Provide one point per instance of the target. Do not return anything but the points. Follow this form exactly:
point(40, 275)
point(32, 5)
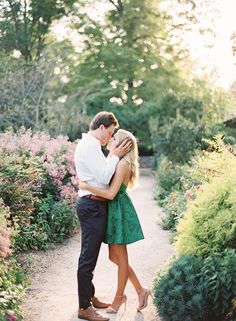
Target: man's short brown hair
point(103, 118)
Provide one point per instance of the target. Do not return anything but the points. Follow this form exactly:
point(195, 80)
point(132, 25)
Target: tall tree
point(131, 57)
point(24, 24)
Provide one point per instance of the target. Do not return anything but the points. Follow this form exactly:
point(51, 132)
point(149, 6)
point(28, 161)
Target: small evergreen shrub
point(198, 289)
point(179, 294)
point(218, 159)
point(219, 274)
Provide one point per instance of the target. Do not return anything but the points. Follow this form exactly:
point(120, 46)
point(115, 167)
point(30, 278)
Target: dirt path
point(53, 291)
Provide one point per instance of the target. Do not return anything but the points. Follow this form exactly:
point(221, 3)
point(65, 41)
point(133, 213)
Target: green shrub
point(213, 162)
point(31, 236)
point(12, 287)
point(171, 105)
point(168, 178)
point(174, 207)
point(219, 274)
point(175, 186)
point(197, 289)
point(177, 139)
point(52, 222)
point(209, 224)
point(179, 294)
point(60, 217)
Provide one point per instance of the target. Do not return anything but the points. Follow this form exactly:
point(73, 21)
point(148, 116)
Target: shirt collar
point(91, 138)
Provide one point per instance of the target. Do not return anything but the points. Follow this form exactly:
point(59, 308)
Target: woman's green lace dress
point(123, 225)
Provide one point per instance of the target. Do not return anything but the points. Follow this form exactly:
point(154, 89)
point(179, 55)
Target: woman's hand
point(82, 185)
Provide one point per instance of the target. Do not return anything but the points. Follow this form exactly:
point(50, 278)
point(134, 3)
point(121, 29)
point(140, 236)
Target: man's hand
point(123, 148)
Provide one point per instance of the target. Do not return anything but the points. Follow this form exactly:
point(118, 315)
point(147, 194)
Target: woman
point(123, 226)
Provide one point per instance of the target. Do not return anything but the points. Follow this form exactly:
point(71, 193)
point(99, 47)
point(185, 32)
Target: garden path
point(52, 294)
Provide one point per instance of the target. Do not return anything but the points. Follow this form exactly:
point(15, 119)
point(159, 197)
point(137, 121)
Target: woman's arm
point(113, 189)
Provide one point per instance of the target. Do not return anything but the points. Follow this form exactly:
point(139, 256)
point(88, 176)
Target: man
point(97, 170)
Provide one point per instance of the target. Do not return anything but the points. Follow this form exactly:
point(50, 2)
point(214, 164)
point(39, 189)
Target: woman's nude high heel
point(122, 299)
point(144, 302)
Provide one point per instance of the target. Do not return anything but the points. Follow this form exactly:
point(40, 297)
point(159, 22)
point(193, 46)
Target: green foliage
point(52, 222)
point(179, 294)
point(128, 59)
point(31, 93)
point(177, 139)
point(5, 230)
point(21, 181)
point(24, 25)
point(173, 105)
point(168, 178)
point(59, 216)
point(219, 273)
point(175, 185)
point(208, 225)
point(216, 102)
point(218, 159)
point(198, 289)
point(174, 207)
point(13, 281)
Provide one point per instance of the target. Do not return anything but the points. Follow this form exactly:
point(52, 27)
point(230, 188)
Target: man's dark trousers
point(92, 215)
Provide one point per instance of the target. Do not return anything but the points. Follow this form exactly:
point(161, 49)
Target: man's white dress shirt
point(91, 165)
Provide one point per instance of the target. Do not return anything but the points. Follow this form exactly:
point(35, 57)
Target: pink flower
point(56, 154)
point(11, 316)
point(188, 194)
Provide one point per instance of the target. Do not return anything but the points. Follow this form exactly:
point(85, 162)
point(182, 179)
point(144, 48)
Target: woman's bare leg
point(131, 274)
point(119, 253)
point(141, 291)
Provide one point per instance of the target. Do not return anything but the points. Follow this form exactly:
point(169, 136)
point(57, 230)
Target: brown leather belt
point(97, 198)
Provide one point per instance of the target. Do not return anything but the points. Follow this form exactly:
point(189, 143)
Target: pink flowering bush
point(21, 182)
point(38, 184)
point(56, 155)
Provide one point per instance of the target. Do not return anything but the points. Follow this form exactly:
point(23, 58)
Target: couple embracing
point(105, 212)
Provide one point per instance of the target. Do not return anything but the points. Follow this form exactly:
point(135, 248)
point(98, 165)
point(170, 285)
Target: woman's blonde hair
point(131, 157)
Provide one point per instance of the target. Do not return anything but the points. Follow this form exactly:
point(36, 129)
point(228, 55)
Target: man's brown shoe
point(91, 314)
point(98, 304)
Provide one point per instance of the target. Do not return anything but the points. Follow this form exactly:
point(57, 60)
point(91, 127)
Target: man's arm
point(114, 187)
point(104, 168)
point(97, 165)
